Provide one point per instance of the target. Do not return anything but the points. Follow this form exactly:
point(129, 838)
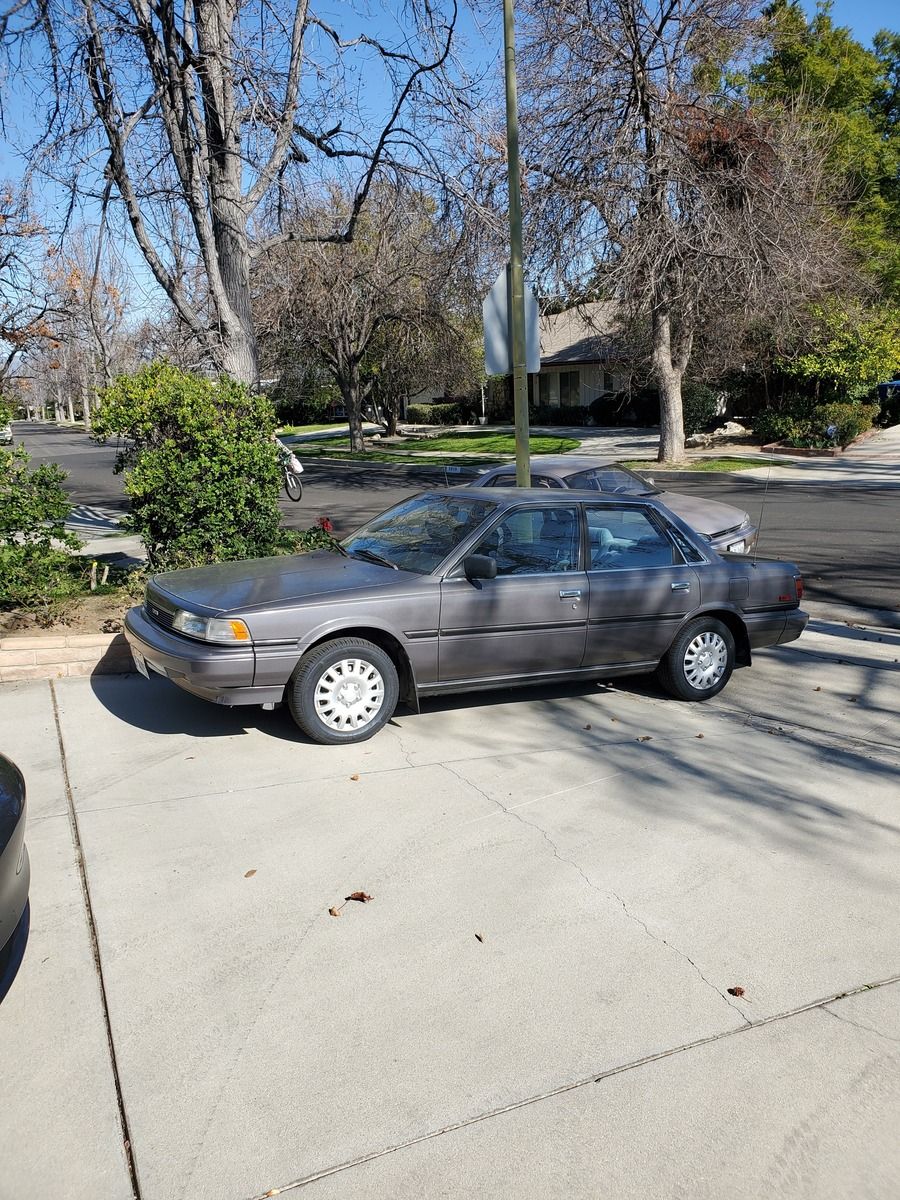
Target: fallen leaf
point(480, 937)
point(735, 991)
point(645, 738)
point(818, 689)
point(274, 1192)
point(615, 720)
point(334, 912)
point(587, 727)
point(699, 735)
point(362, 897)
point(853, 699)
point(250, 874)
point(354, 778)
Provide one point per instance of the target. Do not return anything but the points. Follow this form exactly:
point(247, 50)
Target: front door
point(530, 620)
point(640, 587)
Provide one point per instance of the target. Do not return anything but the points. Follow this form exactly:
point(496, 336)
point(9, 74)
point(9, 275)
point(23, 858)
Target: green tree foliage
point(35, 547)
point(850, 349)
point(201, 466)
point(820, 70)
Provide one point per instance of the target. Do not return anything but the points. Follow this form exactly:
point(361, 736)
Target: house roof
point(584, 334)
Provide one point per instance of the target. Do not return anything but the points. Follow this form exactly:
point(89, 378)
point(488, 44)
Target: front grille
point(725, 532)
point(159, 611)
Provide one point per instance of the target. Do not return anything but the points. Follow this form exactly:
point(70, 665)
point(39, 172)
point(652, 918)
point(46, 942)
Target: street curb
point(54, 656)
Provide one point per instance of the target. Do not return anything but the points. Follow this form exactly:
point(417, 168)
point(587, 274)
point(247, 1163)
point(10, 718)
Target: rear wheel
point(292, 485)
point(699, 662)
point(343, 691)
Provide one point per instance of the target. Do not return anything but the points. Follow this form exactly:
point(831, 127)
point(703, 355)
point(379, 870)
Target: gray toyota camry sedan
point(461, 589)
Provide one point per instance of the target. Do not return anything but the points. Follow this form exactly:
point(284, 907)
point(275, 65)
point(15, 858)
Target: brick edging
point(54, 655)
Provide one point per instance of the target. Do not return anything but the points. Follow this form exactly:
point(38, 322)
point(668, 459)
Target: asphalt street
point(839, 536)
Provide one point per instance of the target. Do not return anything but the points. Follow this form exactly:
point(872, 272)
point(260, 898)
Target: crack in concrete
point(659, 938)
point(606, 895)
point(860, 1025)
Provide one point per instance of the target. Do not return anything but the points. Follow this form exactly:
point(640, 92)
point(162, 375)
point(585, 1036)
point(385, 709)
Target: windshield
point(611, 479)
point(419, 534)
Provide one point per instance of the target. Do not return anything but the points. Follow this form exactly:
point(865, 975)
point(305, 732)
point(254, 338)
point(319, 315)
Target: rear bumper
point(794, 625)
point(221, 674)
point(774, 627)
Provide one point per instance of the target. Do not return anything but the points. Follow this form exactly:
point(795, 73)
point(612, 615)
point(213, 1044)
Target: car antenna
point(762, 507)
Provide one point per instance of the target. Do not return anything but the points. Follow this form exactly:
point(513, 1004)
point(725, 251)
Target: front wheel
point(292, 485)
point(699, 662)
point(343, 691)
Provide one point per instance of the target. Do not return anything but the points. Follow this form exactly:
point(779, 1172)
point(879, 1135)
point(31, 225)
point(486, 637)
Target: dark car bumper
point(15, 875)
point(773, 627)
point(222, 674)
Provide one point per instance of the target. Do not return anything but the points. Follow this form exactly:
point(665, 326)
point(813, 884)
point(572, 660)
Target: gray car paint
point(450, 633)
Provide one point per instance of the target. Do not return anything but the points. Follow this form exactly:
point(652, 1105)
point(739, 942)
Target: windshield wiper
point(373, 557)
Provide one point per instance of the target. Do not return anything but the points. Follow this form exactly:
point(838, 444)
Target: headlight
point(210, 629)
point(738, 547)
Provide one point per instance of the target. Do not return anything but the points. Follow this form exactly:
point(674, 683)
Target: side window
point(534, 541)
point(622, 538)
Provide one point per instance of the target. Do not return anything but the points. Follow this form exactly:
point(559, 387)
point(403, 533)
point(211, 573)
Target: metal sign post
point(516, 280)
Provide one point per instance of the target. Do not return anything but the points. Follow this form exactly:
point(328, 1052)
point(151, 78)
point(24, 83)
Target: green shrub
point(546, 414)
point(439, 414)
point(201, 466)
point(800, 422)
point(699, 405)
point(36, 564)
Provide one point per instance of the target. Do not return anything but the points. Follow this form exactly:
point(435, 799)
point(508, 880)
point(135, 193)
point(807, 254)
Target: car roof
point(508, 497)
point(559, 465)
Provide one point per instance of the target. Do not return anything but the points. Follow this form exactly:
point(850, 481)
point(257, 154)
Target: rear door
point(641, 588)
point(530, 620)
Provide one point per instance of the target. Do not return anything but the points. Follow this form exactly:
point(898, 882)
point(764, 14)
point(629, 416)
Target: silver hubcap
point(349, 694)
point(705, 660)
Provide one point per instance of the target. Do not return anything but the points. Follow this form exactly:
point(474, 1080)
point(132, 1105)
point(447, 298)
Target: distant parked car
point(15, 873)
point(723, 525)
point(5, 435)
point(461, 589)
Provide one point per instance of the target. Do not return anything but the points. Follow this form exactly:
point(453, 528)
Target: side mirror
point(480, 566)
point(650, 480)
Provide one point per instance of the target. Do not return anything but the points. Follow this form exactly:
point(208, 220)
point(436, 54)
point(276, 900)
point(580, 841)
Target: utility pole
point(516, 280)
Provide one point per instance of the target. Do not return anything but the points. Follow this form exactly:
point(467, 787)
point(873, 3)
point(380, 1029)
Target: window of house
point(559, 389)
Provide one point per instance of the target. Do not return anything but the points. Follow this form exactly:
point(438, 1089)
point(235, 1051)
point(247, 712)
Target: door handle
point(681, 587)
point(570, 593)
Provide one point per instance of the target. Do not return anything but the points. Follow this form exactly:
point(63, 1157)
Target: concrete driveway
point(535, 1003)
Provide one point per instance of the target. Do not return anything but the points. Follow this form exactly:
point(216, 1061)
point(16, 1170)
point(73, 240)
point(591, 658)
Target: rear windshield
point(418, 534)
point(611, 479)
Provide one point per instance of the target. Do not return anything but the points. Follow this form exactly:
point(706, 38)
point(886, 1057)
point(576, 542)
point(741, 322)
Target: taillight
point(798, 584)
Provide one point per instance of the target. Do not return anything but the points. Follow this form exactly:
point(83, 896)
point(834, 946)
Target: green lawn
point(289, 430)
point(451, 443)
point(705, 464)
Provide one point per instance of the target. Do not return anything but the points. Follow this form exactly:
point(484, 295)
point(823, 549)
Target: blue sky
point(865, 17)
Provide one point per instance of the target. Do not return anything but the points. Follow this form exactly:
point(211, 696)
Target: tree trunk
point(667, 375)
point(239, 357)
point(350, 393)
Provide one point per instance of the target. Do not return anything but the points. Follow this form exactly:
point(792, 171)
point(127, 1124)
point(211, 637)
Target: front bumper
point(746, 536)
point(222, 674)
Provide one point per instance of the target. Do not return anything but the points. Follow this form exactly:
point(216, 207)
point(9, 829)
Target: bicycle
point(292, 484)
point(291, 470)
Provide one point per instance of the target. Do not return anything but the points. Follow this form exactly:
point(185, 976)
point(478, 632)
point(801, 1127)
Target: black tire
point(313, 691)
point(699, 662)
point(292, 485)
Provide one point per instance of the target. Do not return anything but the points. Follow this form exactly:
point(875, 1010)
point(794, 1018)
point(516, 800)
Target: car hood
point(708, 517)
point(266, 582)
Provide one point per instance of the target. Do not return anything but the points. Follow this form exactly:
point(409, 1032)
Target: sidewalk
point(569, 887)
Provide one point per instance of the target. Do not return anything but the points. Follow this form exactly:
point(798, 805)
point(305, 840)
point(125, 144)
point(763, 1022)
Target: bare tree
point(651, 184)
point(198, 117)
point(348, 303)
point(24, 295)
